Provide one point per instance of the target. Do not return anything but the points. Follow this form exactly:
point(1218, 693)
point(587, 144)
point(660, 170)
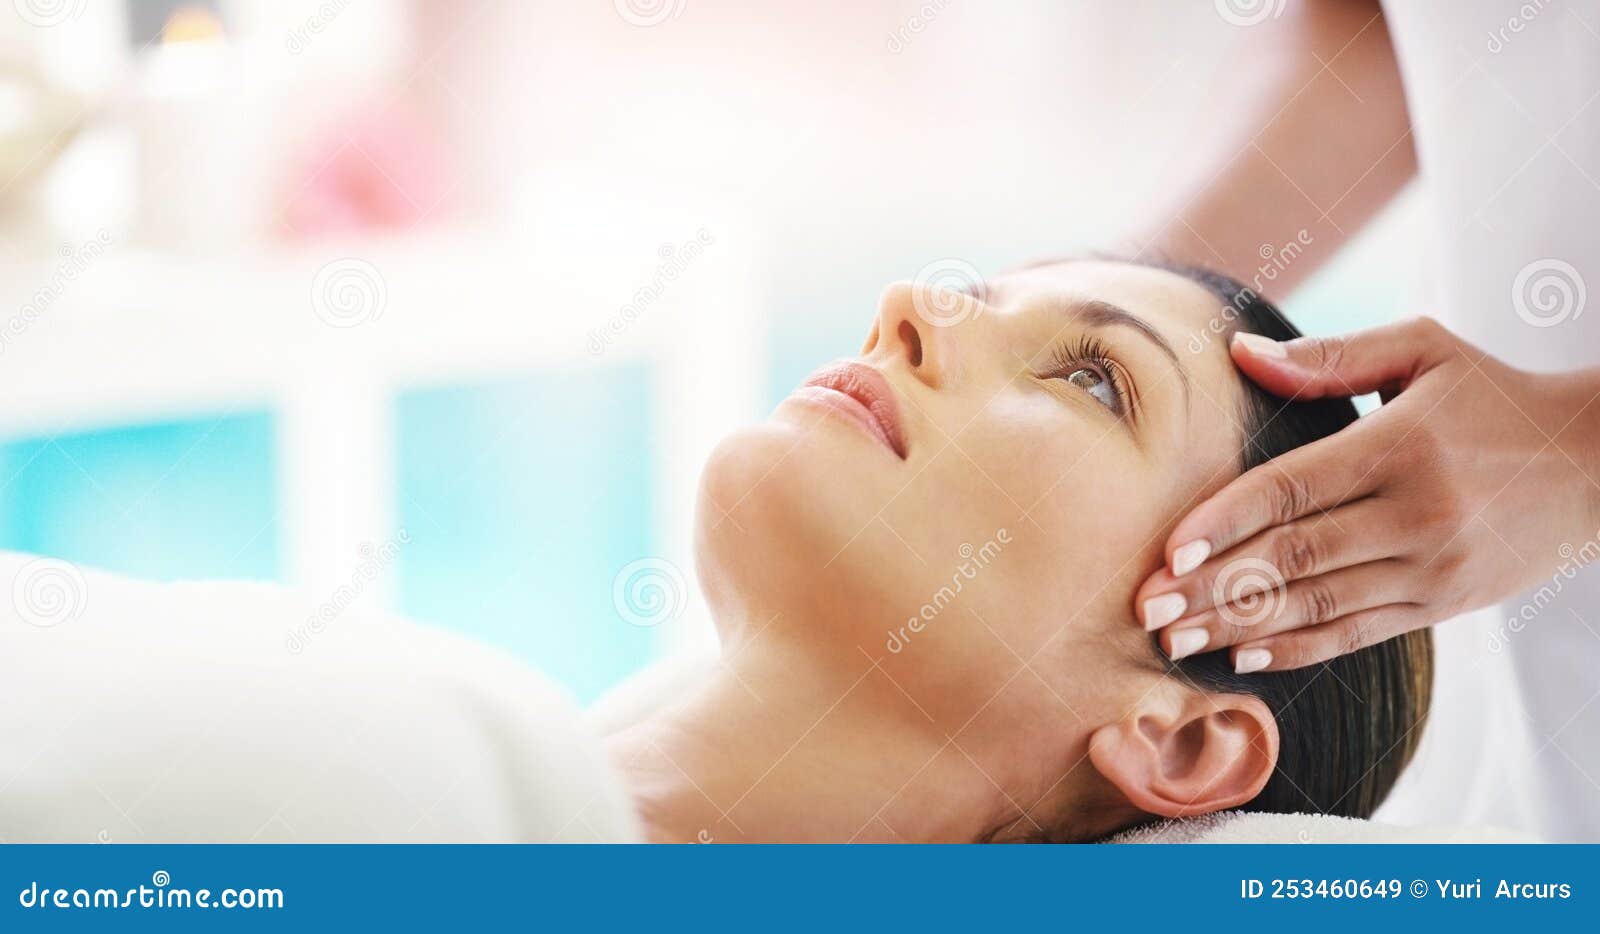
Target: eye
point(1088, 366)
point(1096, 384)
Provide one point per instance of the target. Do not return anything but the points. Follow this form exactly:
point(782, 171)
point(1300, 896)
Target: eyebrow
point(1096, 313)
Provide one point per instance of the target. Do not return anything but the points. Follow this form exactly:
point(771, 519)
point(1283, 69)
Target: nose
point(917, 324)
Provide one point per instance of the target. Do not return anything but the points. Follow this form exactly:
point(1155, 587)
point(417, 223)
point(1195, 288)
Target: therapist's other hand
point(1457, 492)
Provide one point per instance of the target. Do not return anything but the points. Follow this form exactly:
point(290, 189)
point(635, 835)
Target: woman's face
point(978, 517)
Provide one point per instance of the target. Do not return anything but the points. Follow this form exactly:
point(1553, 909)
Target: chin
point(778, 504)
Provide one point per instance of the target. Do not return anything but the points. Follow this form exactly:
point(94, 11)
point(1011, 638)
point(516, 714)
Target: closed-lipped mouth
point(862, 393)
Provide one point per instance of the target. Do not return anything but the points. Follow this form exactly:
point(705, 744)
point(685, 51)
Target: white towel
point(1237, 827)
point(228, 712)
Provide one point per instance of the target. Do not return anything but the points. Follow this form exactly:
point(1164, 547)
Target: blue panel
point(176, 500)
point(523, 499)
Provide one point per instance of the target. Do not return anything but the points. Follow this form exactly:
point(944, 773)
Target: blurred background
point(438, 306)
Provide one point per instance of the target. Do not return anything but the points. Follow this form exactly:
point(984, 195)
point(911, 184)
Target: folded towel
point(1238, 827)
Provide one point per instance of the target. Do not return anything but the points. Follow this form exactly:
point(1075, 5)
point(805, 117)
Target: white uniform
point(1505, 108)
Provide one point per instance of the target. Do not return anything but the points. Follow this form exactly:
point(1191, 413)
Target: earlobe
point(1216, 751)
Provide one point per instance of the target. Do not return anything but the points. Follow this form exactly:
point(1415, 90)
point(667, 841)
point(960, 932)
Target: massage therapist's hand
point(1457, 492)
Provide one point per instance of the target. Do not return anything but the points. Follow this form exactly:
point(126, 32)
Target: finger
point(1313, 478)
point(1324, 643)
point(1353, 534)
point(1374, 360)
point(1301, 604)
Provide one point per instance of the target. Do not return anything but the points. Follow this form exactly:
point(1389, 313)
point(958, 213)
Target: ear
point(1213, 752)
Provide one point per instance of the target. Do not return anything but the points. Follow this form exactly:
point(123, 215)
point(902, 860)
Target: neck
point(776, 747)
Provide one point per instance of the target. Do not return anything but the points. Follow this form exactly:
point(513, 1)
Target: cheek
point(1099, 527)
point(968, 491)
point(1075, 502)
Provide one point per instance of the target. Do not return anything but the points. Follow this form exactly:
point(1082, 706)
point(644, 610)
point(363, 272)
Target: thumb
point(1383, 359)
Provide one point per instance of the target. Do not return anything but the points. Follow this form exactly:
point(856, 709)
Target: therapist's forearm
point(1305, 140)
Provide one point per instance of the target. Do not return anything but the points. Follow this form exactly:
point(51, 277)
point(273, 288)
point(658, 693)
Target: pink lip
point(863, 395)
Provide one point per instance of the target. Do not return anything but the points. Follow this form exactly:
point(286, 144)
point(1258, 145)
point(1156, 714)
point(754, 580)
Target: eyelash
point(1072, 355)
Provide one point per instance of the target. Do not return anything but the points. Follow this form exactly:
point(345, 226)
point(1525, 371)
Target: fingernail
point(1250, 660)
point(1159, 611)
point(1186, 642)
point(1190, 556)
point(1261, 346)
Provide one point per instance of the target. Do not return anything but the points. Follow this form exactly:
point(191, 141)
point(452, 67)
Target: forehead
point(1171, 303)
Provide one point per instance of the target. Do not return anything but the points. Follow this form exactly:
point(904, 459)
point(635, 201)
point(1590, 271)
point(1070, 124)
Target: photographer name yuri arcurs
point(1504, 888)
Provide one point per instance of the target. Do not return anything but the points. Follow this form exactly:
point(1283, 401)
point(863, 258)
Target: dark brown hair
point(1347, 727)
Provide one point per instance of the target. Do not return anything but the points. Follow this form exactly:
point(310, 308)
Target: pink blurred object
point(374, 172)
